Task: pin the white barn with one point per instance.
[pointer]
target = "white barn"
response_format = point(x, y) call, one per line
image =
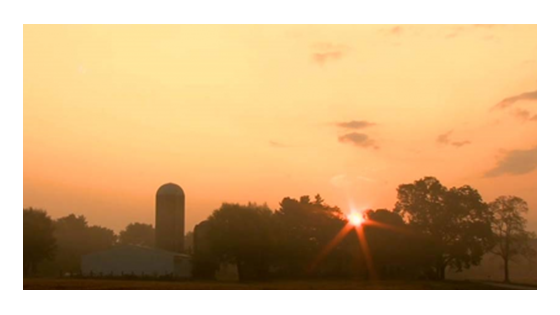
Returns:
point(128, 260)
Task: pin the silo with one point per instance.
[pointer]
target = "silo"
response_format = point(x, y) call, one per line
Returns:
point(170, 218)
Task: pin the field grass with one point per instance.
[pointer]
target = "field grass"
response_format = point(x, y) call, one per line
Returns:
point(91, 284)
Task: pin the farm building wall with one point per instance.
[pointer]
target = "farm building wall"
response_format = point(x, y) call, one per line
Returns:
point(136, 261)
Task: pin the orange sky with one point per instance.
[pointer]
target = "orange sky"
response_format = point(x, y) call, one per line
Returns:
point(258, 113)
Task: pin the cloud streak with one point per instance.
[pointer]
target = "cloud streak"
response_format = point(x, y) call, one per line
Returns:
point(355, 124)
point(277, 144)
point(517, 162)
point(484, 25)
point(358, 139)
point(459, 144)
point(328, 52)
point(397, 30)
point(522, 114)
point(445, 139)
point(507, 102)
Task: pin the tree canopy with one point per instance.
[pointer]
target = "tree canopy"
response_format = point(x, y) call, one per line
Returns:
point(431, 229)
point(139, 234)
point(76, 238)
point(512, 239)
point(240, 234)
point(39, 243)
point(302, 229)
point(456, 220)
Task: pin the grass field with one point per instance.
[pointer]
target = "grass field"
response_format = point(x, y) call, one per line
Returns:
point(90, 284)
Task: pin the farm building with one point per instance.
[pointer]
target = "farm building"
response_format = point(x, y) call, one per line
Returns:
point(129, 260)
point(162, 261)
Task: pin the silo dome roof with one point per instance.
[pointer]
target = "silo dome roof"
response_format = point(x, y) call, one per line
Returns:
point(170, 189)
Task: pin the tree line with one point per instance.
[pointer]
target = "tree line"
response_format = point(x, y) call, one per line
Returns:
point(431, 230)
point(55, 247)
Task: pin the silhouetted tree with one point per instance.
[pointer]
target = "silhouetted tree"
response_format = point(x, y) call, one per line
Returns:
point(399, 252)
point(39, 243)
point(75, 239)
point(241, 234)
point(139, 234)
point(392, 219)
point(189, 242)
point(509, 225)
point(71, 235)
point(386, 241)
point(205, 259)
point(302, 229)
point(319, 200)
point(100, 238)
point(456, 220)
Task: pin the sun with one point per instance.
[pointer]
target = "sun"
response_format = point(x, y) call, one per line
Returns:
point(356, 218)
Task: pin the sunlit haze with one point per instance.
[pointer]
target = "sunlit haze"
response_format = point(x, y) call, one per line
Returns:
point(259, 113)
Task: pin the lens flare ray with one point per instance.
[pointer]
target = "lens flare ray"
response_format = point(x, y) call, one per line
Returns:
point(330, 246)
point(365, 251)
point(357, 222)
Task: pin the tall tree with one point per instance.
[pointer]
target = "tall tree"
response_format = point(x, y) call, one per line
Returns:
point(76, 238)
point(386, 241)
point(302, 230)
point(100, 238)
point(456, 220)
point(241, 234)
point(39, 243)
point(189, 242)
point(138, 234)
point(509, 226)
point(206, 259)
point(71, 235)
point(399, 252)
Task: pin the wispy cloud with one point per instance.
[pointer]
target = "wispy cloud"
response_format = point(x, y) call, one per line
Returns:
point(509, 101)
point(277, 144)
point(355, 124)
point(517, 162)
point(327, 52)
point(524, 115)
point(397, 30)
point(484, 29)
point(445, 139)
point(459, 144)
point(485, 25)
point(490, 38)
point(358, 139)
point(392, 31)
point(451, 35)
